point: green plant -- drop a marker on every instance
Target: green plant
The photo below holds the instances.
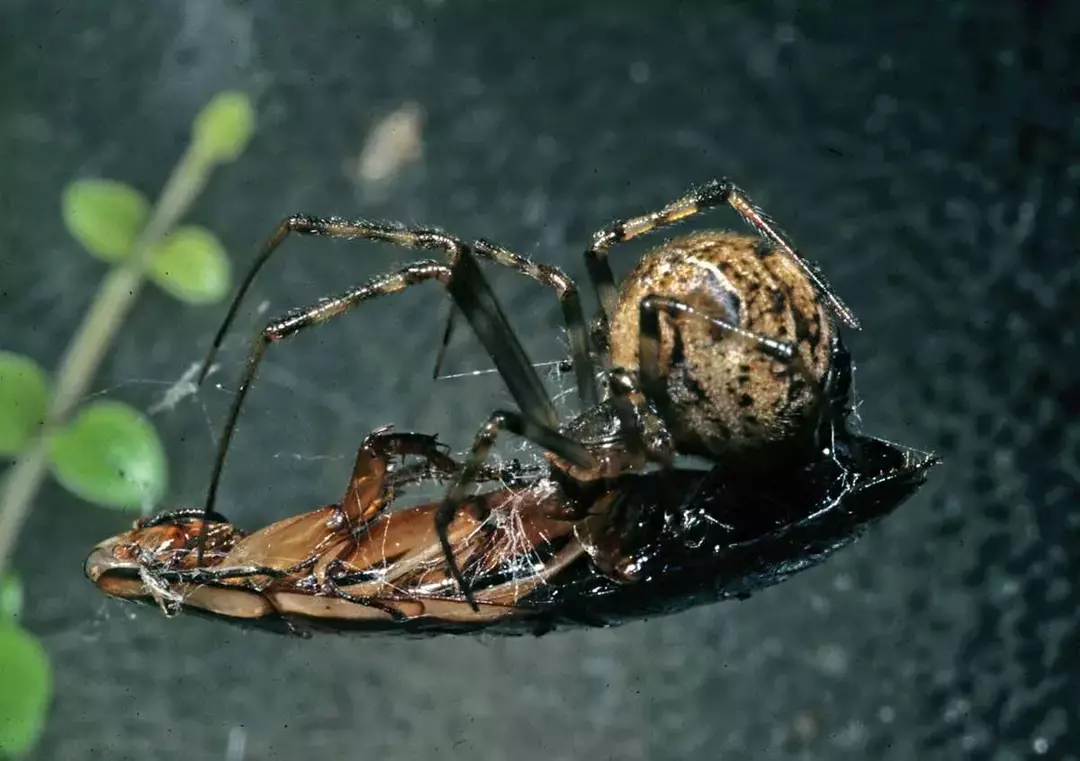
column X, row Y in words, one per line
column 25, row 675
column 105, row 452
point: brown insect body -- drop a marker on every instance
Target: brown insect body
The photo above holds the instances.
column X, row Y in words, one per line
column 311, row 567
column 722, row 395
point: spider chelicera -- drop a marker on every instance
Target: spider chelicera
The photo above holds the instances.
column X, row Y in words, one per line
column 718, row 344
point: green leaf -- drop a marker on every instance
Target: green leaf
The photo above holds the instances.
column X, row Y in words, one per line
column 11, row 597
column 25, row 690
column 105, row 216
column 191, row 264
column 24, row 394
column 111, row 455
column 224, row 126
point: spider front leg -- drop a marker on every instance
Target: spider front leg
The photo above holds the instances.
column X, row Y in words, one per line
column 569, row 301
column 646, row 437
column 294, row 322
column 416, row 238
column 708, row 196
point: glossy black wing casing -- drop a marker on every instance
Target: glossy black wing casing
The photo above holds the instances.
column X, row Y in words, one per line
column 703, row 537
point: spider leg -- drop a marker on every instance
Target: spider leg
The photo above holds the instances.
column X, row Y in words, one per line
column 537, row 420
column 502, row 420
column 473, row 296
column 298, row 320
column 479, row 307
column 569, row 301
column 649, row 338
column 707, row 196
column 334, row 227
column 644, row 434
column 837, row 390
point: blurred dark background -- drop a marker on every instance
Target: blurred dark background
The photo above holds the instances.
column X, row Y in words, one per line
column 924, row 153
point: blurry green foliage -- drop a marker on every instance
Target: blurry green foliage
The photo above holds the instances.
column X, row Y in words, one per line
column 110, row 454
column 105, row 216
column 11, row 597
column 107, row 452
column 224, row 127
column 25, row 689
column 24, row 394
column 191, row 265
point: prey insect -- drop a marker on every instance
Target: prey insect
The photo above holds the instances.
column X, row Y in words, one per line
column 536, row 561
column 719, row 344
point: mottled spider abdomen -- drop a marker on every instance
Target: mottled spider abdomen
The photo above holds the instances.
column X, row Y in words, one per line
column 726, row 394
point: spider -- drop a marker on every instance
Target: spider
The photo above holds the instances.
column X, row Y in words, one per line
column 718, row 344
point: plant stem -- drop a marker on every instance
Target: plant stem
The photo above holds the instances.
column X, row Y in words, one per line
column 114, row 299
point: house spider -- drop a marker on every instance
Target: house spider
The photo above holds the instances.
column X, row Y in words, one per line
column 718, row 344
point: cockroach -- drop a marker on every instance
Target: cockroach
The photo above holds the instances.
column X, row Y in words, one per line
column 536, row 559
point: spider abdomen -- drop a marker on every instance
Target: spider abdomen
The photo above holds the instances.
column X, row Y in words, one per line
column 725, row 391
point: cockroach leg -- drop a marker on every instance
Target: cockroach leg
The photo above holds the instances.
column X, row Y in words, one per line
column 172, row 516
column 231, row 573
column 369, row 492
column 502, row 420
column 514, row 475
column 335, row 575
